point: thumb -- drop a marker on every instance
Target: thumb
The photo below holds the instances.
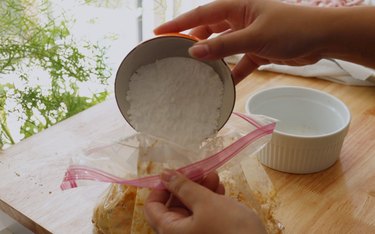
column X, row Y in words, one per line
column 191, row 194
column 226, row 44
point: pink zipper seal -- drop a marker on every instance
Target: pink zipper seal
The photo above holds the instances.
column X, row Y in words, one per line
column 193, row 171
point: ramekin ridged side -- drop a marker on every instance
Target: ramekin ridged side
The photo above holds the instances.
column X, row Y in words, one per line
column 302, row 155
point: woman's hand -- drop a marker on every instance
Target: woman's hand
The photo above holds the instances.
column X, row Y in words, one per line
column 265, row 31
column 269, row 31
column 188, row 207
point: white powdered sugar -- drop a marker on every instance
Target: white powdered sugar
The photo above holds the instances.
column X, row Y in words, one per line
column 176, row 98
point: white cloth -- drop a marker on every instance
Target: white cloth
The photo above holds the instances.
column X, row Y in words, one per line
column 328, row 69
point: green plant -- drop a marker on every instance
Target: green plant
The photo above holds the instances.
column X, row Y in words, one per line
column 106, row 3
column 32, row 39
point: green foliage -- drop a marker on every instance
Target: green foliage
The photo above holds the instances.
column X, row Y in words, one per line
column 31, row 38
column 5, row 136
column 105, row 3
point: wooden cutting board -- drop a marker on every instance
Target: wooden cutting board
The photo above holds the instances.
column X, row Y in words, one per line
column 340, row 199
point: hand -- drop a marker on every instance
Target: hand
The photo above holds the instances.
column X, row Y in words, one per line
column 266, row 31
column 199, row 208
column 269, row 31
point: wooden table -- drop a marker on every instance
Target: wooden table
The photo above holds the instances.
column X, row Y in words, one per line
column 340, row 199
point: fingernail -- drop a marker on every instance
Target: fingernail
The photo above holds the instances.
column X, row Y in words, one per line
column 168, row 175
column 199, row 50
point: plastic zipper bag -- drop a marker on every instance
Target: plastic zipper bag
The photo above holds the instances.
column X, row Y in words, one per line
column 119, row 161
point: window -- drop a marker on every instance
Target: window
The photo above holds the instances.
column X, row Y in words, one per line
column 58, row 58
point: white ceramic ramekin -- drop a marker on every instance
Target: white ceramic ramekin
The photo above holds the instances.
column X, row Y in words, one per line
column 310, row 130
column 170, row 45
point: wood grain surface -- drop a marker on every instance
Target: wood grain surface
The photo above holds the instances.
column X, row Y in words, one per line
column 340, row 199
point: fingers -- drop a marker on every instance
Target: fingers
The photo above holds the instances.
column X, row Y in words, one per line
column 245, row 66
column 160, row 196
column 220, row 189
column 211, row 13
column 211, row 181
column 188, row 192
column 155, row 208
column 226, row 44
column 161, row 216
column 205, row 31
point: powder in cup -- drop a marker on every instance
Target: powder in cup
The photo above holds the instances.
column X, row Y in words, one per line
column 176, row 98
